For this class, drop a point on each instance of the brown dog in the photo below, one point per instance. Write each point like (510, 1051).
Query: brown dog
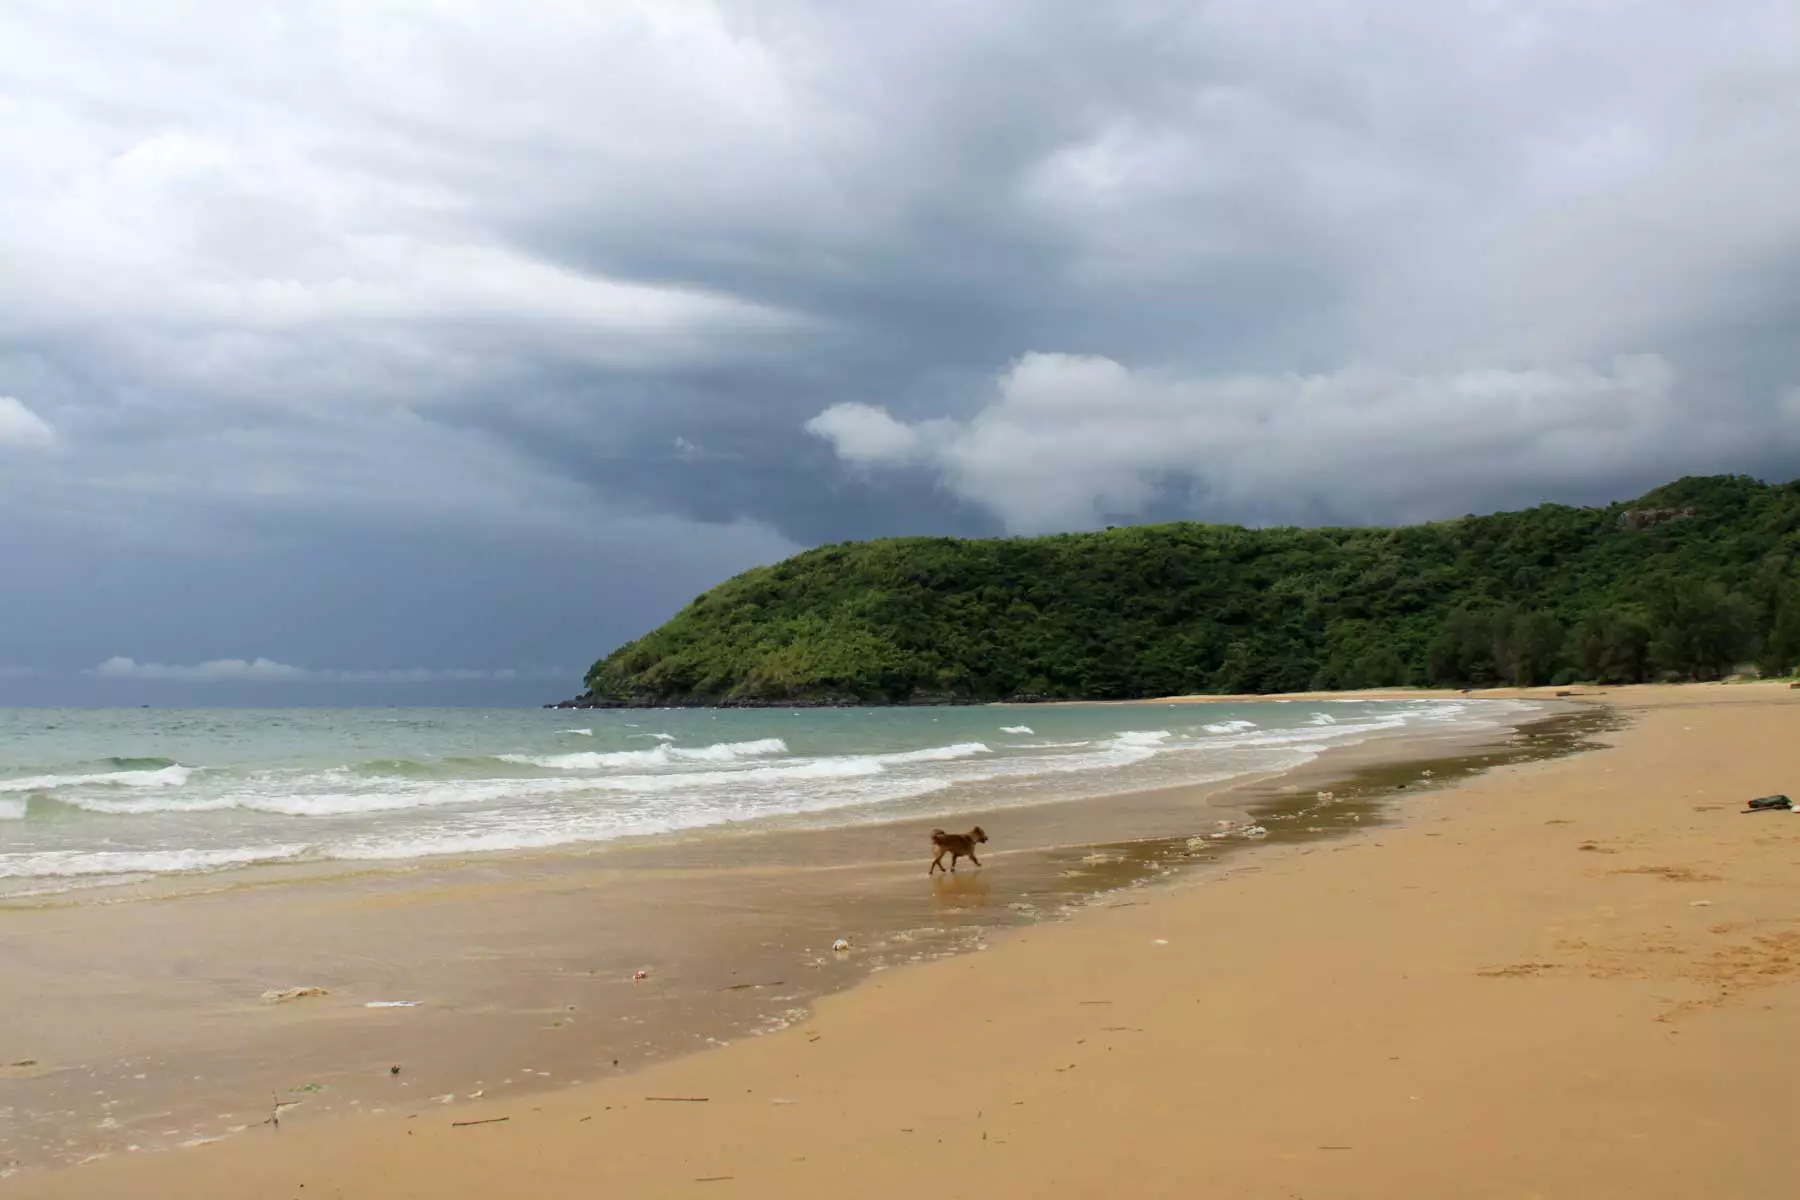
(956, 845)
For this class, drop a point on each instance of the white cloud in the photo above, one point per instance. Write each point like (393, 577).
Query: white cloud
(862, 433)
(263, 670)
(19, 426)
(1069, 440)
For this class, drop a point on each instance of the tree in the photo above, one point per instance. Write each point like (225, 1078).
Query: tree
(1534, 647)
(1781, 649)
(1613, 646)
(1701, 630)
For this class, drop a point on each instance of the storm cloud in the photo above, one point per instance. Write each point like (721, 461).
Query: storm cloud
(443, 341)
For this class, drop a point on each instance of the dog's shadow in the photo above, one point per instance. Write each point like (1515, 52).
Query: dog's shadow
(960, 890)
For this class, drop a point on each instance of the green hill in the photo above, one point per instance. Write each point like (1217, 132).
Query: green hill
(1690, 580)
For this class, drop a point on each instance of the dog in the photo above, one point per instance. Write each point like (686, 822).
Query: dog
(956, 845)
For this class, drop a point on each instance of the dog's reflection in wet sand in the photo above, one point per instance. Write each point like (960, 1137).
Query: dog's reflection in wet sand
(960, 891)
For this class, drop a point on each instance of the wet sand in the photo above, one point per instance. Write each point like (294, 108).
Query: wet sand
(138, 1008)
(1573, 976)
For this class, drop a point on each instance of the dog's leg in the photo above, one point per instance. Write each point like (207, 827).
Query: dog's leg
(937, 862)
(954, 855)
(973, 859)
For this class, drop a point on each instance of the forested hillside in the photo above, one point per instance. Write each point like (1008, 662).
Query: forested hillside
(1691, 580)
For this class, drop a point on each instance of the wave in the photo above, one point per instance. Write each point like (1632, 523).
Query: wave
(12, 809)
(144, 805)
(401, 768)
(1230, 726)
(582, 732)
(400, 794)
(289, 803)
(1322, 736)
(589, 760)
(1141, 737)
(848, 766)
(935, 753)
(1322, 719)
(1015, 729)
(70, 863)
(172, 775)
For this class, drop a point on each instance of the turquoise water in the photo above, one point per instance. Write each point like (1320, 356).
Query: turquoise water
(96, 796)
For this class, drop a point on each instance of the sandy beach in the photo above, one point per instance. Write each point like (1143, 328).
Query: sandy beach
(1568, 977)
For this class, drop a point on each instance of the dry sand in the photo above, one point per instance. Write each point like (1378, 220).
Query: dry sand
(1570, 978)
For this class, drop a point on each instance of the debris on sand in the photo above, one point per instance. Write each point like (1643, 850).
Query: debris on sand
(283, 995)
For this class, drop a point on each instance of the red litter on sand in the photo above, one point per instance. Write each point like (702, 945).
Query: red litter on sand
(639, 975)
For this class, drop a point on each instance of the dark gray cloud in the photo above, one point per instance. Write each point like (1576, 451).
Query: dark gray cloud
(455, 340)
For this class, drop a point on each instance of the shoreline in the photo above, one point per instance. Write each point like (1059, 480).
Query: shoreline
(1572, 976)
(864, 888)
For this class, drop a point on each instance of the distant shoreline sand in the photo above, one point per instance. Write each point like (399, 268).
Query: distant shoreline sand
(1258, 932)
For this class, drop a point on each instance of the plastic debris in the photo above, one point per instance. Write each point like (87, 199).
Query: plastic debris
(639, 976)
(1769, 804)
(283, 995)
(392, 1004)
(841, 946)
(1253, 832)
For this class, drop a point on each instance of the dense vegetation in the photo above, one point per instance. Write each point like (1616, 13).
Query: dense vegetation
(1691, 581)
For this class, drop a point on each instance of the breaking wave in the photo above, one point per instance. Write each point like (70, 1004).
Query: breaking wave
(171, 775)
(442, 786)
(661, 756)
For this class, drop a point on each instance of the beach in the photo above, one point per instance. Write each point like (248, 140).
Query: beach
(1569, 976)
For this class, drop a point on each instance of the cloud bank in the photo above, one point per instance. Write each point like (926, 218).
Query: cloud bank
(1071, 441)
(440, 333)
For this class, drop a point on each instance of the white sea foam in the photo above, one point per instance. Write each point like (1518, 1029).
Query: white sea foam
(133, 806)
(1015, 729)
(162, 777)
(934, 754)
(582, 732)
(468, 802)
(156, 862)
(664, 755)
(1322, 719)
(606, 826)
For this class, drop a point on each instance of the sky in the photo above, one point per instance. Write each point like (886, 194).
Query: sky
(402, 352)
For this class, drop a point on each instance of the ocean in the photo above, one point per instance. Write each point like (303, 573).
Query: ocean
(93, 797)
